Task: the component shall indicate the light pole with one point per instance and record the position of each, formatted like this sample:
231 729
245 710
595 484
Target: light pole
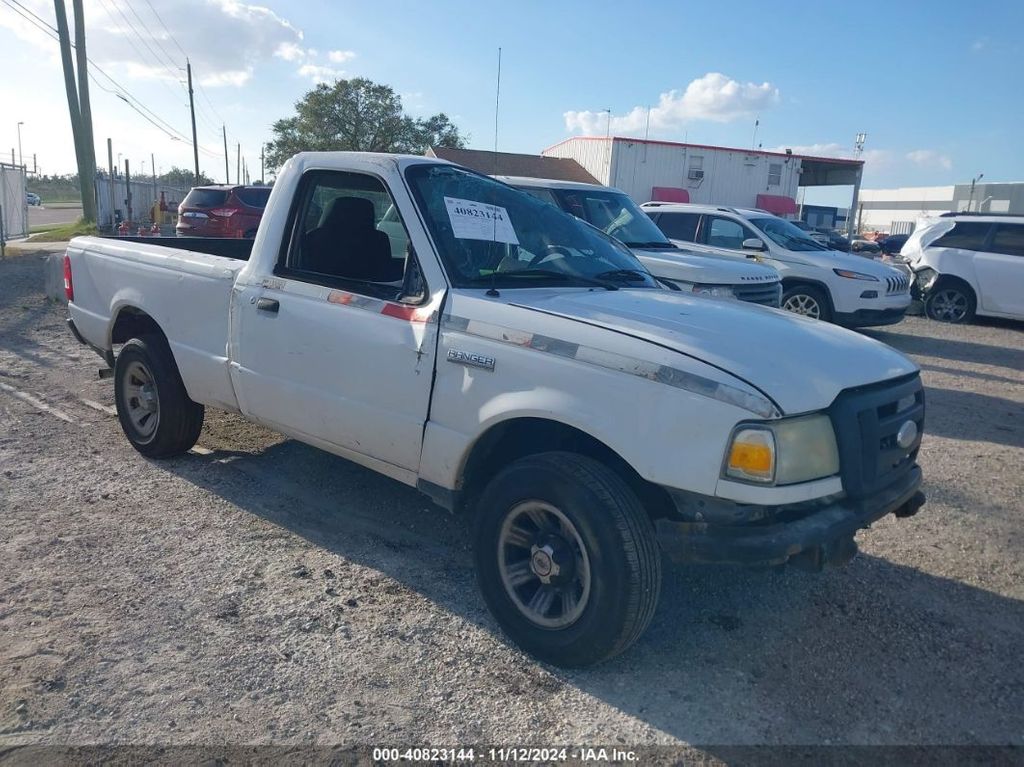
975 180
21 160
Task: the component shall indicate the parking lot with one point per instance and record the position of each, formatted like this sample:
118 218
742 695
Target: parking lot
259 590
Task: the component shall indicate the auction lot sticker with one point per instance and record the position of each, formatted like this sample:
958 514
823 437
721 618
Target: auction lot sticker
472 220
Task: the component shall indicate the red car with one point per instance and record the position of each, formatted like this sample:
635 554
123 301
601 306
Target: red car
222 211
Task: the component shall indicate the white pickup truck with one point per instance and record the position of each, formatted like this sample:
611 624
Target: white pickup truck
518 366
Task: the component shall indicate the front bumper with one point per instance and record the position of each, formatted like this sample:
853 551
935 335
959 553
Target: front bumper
863 318
805 534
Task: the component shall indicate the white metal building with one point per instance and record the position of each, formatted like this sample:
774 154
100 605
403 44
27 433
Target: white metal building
675 172
896 210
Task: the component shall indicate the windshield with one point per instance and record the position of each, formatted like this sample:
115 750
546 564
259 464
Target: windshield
615 214
785 235
489 234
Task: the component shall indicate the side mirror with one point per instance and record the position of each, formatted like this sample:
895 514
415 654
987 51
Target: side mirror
754 243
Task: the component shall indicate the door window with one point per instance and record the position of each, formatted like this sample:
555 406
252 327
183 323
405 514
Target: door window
774 174
678 226
966 235
1009 239
724 233
347 232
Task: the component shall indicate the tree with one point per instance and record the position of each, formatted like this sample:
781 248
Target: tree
182 178
357 115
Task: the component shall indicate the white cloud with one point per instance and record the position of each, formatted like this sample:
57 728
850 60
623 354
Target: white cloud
929 158
290 51
340 57
139 48
713 97
320 74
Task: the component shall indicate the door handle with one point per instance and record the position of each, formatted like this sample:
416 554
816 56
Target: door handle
270 305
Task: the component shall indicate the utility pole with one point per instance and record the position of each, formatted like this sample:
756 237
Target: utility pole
192 109
79 108
227 173
238 165
21 160
35 168
110 185
263 152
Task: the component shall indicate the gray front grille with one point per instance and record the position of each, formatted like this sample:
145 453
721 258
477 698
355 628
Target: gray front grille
767 294
896 285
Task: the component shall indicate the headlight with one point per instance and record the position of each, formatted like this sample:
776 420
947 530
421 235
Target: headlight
783 452
855 275
718 291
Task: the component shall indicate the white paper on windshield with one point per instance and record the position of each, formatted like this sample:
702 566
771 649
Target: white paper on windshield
473 220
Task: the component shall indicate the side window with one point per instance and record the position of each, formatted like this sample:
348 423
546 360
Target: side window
346 229
724 233
774 174
967 235
1009 239
678 226
544 195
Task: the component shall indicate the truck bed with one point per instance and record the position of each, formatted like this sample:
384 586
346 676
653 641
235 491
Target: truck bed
184 287
240 250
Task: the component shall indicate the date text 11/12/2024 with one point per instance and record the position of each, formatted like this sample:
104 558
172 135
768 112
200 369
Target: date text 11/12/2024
531 754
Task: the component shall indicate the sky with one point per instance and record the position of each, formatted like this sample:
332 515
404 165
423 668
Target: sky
930 83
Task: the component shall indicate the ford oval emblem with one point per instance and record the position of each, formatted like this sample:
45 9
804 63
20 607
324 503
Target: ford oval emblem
907 435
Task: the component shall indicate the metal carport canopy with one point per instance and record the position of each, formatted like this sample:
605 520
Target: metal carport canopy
825 171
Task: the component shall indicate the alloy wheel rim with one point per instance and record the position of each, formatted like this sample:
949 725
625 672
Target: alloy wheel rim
949 305
804 304
544 565
142 403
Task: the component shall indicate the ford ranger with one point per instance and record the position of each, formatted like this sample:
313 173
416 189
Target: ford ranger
520 367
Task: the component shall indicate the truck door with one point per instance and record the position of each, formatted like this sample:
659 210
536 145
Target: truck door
337 347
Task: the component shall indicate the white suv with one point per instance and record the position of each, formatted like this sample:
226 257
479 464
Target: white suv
968 263
817 282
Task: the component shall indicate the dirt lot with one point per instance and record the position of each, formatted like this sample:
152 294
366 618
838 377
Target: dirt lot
263 591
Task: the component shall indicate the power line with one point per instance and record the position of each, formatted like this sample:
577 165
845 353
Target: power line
153 37
122 93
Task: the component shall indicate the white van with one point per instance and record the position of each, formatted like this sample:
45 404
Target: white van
968 263
614 212
817 282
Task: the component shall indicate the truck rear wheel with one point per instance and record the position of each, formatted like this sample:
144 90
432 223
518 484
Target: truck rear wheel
153 407
566 558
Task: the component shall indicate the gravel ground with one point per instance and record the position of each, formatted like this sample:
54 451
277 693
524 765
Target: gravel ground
262 591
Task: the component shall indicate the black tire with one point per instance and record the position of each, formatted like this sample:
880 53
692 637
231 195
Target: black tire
950 300
807 301
174 421
621 555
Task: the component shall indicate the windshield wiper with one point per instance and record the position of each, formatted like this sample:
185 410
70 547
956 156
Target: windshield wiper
625 275
561 276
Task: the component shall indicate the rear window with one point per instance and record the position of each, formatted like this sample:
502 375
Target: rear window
678 226
205 198
1009 239
966 235
254 198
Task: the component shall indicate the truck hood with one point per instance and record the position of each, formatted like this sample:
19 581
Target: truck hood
685 265
800 363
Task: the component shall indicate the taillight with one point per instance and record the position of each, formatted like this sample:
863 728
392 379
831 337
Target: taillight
222 212
69 286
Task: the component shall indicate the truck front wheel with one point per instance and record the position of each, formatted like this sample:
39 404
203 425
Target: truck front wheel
153 407
566 558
